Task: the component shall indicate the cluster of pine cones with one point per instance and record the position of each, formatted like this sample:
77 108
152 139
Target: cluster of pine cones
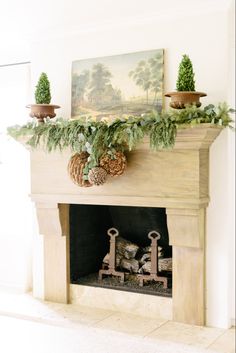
109 164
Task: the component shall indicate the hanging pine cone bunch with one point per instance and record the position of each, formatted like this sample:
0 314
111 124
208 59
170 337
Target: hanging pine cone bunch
97 176
75 168
114 165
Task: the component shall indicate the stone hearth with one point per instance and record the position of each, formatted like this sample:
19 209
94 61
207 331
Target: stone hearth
175 179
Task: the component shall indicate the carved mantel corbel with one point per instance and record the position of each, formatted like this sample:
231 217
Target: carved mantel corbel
53 221
187 236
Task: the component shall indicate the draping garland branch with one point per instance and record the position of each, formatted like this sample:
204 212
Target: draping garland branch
103 139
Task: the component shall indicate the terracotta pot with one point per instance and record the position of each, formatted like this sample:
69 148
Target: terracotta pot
41 111
179 99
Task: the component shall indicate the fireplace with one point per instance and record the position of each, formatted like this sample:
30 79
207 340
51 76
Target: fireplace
175 180
89 247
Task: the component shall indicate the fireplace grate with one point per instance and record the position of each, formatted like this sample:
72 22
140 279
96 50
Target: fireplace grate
153 288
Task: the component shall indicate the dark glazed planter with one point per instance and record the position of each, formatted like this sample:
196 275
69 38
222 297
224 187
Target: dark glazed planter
42 111
180 99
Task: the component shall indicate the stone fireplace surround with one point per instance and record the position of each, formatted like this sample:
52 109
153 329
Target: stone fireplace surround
176 179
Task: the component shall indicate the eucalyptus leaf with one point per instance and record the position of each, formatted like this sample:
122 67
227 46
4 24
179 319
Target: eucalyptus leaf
100 137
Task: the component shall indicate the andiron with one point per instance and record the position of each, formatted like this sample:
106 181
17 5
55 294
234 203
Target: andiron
153 276
111 271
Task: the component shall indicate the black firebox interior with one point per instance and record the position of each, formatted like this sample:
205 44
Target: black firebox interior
89 242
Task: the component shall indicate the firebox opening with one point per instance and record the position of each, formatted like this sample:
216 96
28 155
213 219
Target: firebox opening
90 244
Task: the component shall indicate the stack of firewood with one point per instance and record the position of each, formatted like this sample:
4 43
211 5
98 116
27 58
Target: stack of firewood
134 259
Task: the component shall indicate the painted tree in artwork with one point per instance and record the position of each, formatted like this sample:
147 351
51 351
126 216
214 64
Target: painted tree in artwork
156 67
100 78
79 85
142 77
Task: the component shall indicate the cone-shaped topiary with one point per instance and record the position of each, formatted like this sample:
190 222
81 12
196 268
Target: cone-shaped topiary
42 92
185 81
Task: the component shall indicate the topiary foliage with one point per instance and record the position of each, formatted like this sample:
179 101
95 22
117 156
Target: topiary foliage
185 81
42 92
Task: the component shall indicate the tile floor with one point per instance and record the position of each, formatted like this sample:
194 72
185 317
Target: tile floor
30 325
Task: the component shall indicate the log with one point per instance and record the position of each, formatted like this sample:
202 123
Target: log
130 265
126 248
163 265
149 249
146 268
107 257
147 257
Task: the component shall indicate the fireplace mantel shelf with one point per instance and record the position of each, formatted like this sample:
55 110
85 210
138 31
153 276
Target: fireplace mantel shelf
176 179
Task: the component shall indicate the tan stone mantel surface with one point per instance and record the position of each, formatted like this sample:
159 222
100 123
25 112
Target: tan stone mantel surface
176 179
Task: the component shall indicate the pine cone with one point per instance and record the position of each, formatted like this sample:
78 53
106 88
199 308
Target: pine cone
75 168
114 165
97 176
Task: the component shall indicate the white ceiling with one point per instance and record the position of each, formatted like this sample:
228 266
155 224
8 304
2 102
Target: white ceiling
35 19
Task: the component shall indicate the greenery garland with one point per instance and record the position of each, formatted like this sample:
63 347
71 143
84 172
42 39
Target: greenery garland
99 137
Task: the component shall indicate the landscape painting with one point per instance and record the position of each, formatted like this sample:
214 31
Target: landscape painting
127 84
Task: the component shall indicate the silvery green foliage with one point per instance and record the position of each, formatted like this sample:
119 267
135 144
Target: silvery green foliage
121 134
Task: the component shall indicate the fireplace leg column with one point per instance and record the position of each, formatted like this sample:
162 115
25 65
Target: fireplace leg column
53 227
186 233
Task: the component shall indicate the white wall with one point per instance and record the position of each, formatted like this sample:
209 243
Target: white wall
205 38
231 154
16 213
14 51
